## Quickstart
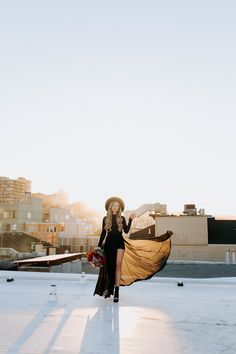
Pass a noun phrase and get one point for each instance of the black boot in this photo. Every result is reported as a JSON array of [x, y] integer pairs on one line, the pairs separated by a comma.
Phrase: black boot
[[116, 295]]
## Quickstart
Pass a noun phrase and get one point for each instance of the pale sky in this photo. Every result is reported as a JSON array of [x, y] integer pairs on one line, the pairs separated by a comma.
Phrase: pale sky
[[129, 98]]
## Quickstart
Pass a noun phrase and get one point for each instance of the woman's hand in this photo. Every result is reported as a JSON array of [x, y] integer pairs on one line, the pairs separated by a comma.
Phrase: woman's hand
[[132, 216]]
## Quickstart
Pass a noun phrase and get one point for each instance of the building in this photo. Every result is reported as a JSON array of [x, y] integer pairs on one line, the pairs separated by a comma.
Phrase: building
[[79, 244], [60, 226], [144, 215], [59, 199], [197, 237], [14, 214], [12, 190], [47, 232], [48, 218]]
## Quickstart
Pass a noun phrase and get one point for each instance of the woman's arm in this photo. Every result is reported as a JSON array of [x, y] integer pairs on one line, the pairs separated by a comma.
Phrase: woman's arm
[[126, 228], [103, 233]]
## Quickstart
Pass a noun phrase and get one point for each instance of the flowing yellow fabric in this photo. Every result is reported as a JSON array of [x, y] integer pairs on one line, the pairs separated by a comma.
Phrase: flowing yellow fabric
[[143, 258]]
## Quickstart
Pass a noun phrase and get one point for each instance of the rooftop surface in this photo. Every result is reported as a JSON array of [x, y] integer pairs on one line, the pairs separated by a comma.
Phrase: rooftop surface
[[153, 316]]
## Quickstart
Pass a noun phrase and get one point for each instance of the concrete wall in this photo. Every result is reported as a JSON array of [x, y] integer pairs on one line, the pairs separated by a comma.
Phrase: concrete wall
[[188, 230], [211, 253]]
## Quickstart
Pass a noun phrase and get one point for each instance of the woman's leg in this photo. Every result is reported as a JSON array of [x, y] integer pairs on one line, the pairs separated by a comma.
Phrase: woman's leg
[[119, 259]]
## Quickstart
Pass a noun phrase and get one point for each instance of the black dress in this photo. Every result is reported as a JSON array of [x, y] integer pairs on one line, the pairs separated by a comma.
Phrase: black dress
[[142, 258], [106, 278]]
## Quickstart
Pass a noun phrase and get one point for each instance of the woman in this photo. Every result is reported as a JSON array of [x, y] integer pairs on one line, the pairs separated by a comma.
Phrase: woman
[[127, 261], [114, 247]]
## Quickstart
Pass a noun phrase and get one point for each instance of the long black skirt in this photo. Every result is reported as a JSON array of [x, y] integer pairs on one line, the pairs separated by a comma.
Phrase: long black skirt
[[142, 259]]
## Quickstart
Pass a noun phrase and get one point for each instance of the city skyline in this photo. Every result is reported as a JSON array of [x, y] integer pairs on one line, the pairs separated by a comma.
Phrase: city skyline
[[133, 99], [60, 199]]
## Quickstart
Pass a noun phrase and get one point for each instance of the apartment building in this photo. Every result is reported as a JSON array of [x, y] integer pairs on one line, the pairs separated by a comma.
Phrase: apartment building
[[12, 190]]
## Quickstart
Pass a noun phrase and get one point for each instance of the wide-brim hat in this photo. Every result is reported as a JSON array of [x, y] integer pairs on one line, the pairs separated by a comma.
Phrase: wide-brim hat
[[115, 199]]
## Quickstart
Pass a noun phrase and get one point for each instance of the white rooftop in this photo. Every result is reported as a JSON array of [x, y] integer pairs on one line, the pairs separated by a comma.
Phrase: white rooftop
[[153, 316]]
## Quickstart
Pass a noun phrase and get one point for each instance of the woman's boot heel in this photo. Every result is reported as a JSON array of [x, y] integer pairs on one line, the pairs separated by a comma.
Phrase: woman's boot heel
[[116, 295]]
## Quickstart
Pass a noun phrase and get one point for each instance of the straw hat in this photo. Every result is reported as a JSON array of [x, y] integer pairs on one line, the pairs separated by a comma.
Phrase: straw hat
[[115, 199]]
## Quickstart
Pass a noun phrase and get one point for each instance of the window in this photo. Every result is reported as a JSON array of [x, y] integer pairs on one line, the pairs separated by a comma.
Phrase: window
[[9, 214], [50, 229], [29, 214]]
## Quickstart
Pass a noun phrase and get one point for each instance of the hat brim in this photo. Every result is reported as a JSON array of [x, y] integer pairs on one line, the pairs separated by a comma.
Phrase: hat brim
[[115, 199]]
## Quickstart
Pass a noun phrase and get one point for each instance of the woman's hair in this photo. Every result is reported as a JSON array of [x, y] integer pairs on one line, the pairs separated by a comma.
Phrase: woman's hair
[[108, 219]]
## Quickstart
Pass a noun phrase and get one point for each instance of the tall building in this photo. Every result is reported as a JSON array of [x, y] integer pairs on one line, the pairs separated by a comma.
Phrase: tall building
[[12, 190]]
